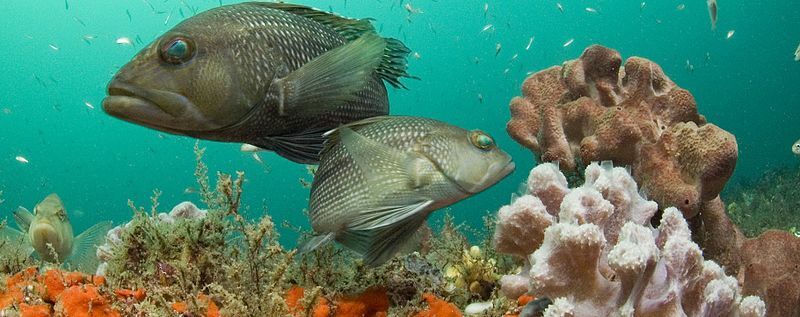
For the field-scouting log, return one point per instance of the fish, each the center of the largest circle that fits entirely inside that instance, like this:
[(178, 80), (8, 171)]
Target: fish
[(730, 34), (380, 178), (487, 27), (21, 159), (124, 41), (591, 10), (79, 21), (128, 13), (47, 233), (485, 9), (54, 47), (278, 89), (712, 12), (680, 7), (560, 7), (416, 55), (796, 147), (530, 42), (480, 98), (642, 5), (568, 42), (88, 38), (797, 54), (88, 104), (497, 48)]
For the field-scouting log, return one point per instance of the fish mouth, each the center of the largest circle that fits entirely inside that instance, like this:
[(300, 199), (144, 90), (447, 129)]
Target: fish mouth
[(42, 234), (157, 109), (495, 173)]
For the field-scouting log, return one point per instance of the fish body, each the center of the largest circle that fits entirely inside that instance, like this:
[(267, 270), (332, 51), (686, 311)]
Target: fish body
[(712, 12), (380, 178), (48, 232), (796, 148), (273, 75), (797, 54)]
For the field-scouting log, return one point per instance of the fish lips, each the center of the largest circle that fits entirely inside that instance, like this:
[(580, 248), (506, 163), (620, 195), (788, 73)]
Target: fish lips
[(157, 109), (496, 172)]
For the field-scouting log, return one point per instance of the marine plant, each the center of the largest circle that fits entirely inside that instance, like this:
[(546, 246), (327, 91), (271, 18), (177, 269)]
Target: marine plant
[(770, 202)]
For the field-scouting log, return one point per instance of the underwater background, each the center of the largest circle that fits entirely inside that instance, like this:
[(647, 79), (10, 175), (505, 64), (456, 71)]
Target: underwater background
[(57, 58)]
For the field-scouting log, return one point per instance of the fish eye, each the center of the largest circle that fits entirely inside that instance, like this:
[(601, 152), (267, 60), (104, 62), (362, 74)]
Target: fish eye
[(177, 50), (481, 140)]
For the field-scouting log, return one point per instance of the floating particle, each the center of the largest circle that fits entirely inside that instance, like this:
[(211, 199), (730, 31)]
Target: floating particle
[(21, 159), (530, 42), (124, 41), (730, 34), (569, 42), (416, 55)]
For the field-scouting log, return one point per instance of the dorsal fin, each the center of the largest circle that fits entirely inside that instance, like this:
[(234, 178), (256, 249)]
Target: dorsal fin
[(393, 64)]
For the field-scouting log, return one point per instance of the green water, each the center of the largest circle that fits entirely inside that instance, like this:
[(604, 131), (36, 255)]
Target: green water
[(748, 85)]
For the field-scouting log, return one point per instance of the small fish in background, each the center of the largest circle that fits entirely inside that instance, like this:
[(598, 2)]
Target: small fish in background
[(642, 5), (79, 21), (560, 7), (530, 42), (190, 191), (487, 28), (591, 10), (411, 9), (712, 12), (485, 9), (497, 48), (48, 232), (39, 80), (380, 178), (54, 47), (568, 42), (416, 55), (21, 159), (126, 41), (797, 54), (480, 98), (88, 104), (128, 13), (689, 66), (88, 38), (730, 34), (796, 147), (680, 7), (66, 5), (333, 73)]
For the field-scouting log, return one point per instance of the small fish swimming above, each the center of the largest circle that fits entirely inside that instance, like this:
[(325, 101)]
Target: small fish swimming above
[(712, 12), (48, 232), (380, 178), (273, 75)]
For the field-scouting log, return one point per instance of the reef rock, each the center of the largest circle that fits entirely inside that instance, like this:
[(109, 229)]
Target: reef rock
[(594, 252), (184, 210), (771, 270), (595, 109)]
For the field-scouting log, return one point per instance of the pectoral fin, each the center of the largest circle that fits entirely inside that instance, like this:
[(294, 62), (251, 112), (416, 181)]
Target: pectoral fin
[(380, 238), (23, 218), (331, 79), (84, 247)]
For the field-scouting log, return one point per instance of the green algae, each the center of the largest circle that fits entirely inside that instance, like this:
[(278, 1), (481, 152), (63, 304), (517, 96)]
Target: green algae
[(770, 202)]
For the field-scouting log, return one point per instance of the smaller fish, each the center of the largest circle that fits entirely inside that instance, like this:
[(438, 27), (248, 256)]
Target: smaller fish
[(190, 191), (730, 34), (66, 5), (591, 10), (28, 36), (689, 66), (39, 80), (560, 7), (680, 7), (480, 98), (497, 49), (79, 21), (54, 47), (88, 39), (124, 41), (88, 104), (487, 28), (257, 158), (506, 71), (796, 148), (642, 5), (304, 183), (485, 9), (411, 10), (250, 148), (569, 42), (530, 42), (128, 12), (416, 55), (169, 16), (514, 57), (797, 54), (149, 5), (7, 111), (21, 159), (712, 12)]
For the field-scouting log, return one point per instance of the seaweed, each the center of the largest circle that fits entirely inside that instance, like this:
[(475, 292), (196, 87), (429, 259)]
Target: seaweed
[(769, 202)]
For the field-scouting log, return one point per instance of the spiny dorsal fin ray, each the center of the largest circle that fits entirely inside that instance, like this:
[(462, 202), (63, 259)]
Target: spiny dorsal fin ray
[(393, 63)]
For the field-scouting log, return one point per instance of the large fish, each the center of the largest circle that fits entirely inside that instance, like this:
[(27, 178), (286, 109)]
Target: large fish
[(380, 178), (272, 75), (48, 232)]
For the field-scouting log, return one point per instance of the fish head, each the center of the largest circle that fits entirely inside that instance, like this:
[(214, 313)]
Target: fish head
[(470, 159), (796, 148), (50, 226), (189, 80)]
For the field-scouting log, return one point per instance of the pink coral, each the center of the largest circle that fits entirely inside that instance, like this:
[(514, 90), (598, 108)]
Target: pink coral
[(599, 255), (594, 109)]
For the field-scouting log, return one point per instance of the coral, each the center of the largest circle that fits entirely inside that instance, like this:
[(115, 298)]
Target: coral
[(600, 256), (771, 270), (595, 109), (438, 308)]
